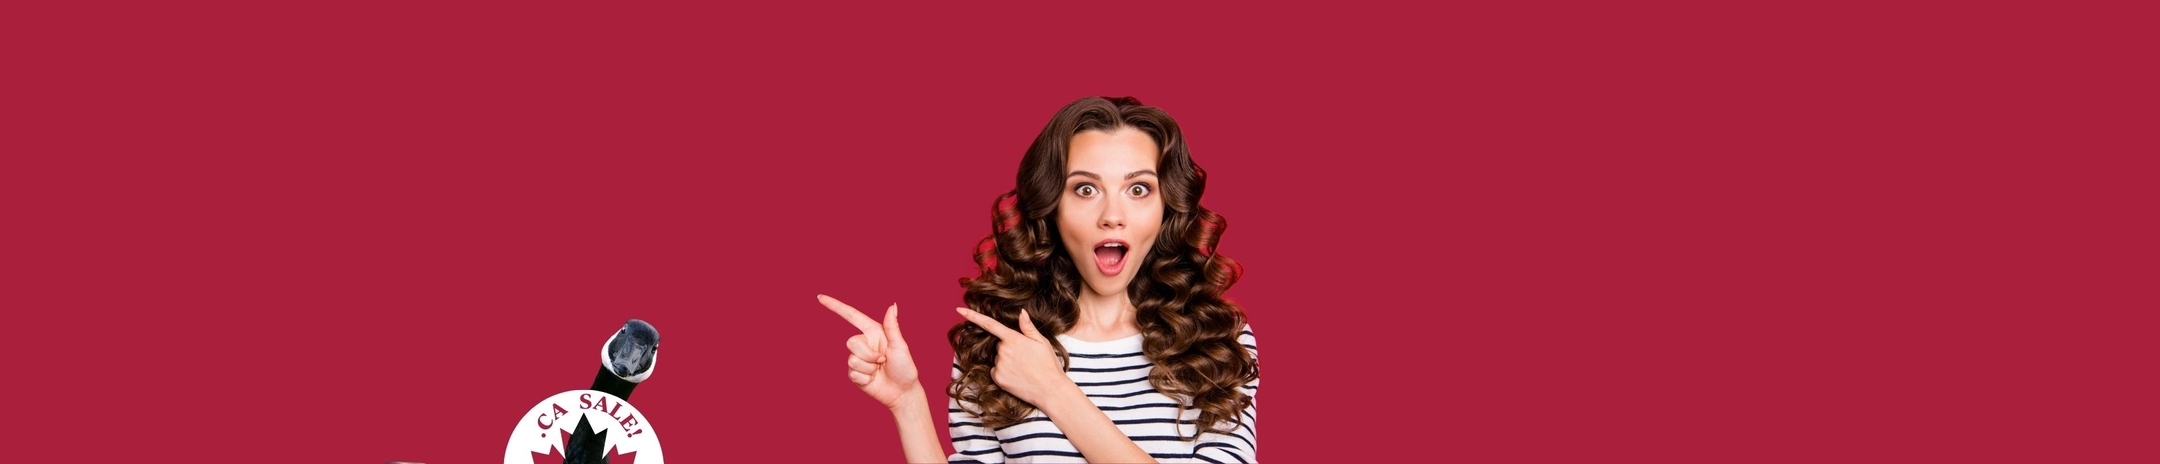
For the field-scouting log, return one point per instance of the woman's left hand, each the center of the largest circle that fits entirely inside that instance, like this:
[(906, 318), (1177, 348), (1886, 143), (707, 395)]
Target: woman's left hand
[(1026, 365)]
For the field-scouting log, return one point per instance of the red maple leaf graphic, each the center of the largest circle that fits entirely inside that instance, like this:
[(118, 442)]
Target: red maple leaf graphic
[(553, 456)]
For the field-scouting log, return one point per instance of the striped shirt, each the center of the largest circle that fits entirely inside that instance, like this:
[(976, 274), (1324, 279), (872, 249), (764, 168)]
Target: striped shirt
[(1113, 374)]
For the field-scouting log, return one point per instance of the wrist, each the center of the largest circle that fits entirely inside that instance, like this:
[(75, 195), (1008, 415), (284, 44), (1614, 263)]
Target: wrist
[(1064, 400), (912, 400)]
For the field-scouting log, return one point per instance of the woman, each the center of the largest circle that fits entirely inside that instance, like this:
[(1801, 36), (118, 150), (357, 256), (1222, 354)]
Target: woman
[(1125, 350)]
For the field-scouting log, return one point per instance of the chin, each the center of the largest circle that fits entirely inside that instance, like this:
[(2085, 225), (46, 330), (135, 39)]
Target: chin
[(1106, 285)]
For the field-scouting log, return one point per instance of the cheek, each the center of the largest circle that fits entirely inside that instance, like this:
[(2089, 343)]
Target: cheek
[(1070, 219), (1074, 227), (1147, 221)]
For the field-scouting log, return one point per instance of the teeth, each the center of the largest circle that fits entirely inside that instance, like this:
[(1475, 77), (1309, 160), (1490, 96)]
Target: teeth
[(1114, 245)]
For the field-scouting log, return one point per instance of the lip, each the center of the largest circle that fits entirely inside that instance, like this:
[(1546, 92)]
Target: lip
[(1111, 266)]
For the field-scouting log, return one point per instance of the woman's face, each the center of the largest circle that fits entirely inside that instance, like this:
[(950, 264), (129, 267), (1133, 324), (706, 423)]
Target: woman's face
[(1110, 210)]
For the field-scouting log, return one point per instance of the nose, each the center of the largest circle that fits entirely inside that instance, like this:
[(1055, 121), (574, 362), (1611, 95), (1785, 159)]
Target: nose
[(1113, 215)]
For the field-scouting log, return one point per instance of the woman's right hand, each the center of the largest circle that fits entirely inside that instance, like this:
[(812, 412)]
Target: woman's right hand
[(878, 359)]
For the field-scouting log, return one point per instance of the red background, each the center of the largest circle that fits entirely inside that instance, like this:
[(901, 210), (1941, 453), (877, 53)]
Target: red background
[(1672, 232)]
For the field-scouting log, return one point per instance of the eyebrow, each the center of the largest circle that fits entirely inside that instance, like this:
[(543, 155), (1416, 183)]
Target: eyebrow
[(1128, 176)]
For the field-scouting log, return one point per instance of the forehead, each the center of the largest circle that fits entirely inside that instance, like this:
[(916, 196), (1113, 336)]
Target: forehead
[(1112, 153)]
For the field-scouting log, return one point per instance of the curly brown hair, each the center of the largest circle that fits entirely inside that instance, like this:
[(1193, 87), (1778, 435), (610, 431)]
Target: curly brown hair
[(1189, 331)]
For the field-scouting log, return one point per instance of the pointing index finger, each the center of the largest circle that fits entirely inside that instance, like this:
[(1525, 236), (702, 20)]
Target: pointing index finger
[(991, 324), (868, 327)]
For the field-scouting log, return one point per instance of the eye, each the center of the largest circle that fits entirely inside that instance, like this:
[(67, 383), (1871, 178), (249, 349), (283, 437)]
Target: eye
[(1085, 190), (1139, 190)]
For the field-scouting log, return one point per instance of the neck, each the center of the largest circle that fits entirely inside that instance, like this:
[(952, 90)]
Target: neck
[(1103, 316)]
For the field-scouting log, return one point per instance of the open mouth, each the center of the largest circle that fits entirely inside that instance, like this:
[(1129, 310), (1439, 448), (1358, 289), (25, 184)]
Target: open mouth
[(1110, 256)]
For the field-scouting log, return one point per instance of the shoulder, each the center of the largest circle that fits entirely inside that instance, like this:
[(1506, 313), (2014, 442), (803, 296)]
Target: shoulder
[(1252, 343)]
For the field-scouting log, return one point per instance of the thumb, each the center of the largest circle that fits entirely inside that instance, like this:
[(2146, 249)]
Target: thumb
[(1027, 327), (892, 326)]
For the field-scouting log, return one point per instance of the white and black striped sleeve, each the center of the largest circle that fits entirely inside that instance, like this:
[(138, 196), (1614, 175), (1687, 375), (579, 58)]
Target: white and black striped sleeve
[(972, 442), (1240, 445)]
